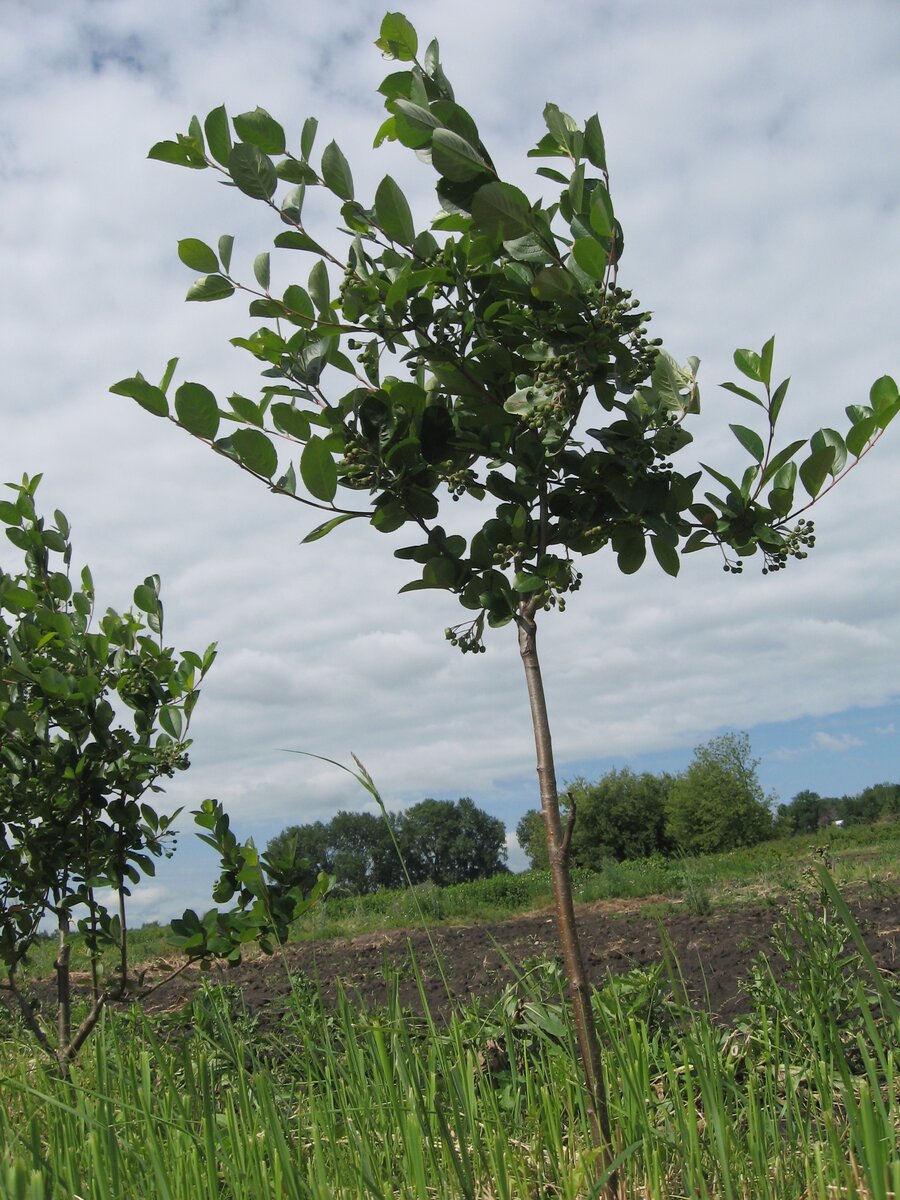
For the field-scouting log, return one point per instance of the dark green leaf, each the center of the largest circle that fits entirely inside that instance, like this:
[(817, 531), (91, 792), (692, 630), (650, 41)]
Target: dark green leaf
[(226, 245), (308, 136), (393, 213), (815, 470), (292, 170), (261, 270), (883, 393), (553, 284), (218, 135), (260, 129), (146, 598), (397, 39), (255, 451), (252, 171), (297, 300), (453, 157), (830, 437), (210, 287), (779, 460), (590, 256), (197, 255), (291, 421), (666, 555), (144, 393), (751, 441), (748, 364), (54, 682), (778, 399), (414, 125), (594, 145), (298, 241), (739, 391), (319, 288), (631, 550), (336, 172), (182, 153), (197, 411), (502, 212), (601, 214), (321, 530), (318, 470), (525, 583), (765, 361)]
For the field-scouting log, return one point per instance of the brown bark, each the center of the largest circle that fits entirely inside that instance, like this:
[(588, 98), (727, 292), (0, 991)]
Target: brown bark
[(559, 846)]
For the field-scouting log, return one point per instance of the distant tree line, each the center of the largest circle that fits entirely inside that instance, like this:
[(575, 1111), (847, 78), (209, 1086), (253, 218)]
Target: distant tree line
[(808, 811), (441, 841), (716, 804)]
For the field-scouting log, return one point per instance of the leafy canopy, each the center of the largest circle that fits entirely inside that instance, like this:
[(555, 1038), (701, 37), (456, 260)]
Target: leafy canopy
[(492, 355)]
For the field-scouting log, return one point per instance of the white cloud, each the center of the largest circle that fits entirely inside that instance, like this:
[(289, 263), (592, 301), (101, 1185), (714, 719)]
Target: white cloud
[(837, 743), (752, 153)]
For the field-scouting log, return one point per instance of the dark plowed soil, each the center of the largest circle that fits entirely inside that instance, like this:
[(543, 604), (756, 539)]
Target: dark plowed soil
[(714, 954)]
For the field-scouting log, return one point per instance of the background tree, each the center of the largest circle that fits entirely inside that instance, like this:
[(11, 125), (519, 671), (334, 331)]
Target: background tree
[(441, 841), (450, 842), (495, 356), (718, 803), (620, 816), (94, 715), (801, 815)]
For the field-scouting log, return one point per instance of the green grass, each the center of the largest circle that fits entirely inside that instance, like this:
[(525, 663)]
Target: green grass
[(796, 1103)]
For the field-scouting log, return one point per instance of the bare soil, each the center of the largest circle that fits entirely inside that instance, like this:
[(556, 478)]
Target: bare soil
[(714, 954)]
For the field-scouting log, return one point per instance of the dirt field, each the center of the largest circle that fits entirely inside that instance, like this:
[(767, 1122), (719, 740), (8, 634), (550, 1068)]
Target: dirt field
[(714, 954)]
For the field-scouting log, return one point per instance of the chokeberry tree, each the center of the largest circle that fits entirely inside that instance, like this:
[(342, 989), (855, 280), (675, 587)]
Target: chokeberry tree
[(94, 715), (491, 355)]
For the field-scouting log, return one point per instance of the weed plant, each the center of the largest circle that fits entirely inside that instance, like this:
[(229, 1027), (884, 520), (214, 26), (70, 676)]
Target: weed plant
[(798, 1102)]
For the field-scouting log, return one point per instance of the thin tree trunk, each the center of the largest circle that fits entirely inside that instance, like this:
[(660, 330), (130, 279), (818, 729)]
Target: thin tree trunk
[(558, 846), (63, 992)]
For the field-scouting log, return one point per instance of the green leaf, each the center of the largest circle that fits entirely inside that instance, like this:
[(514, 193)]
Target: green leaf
[(291, 421), (666, 555), (182, 153), (260, 129), (883, 393), (321, 530), (318, 470), (171, 721), (502, 212), (815, 470), (226, 245), (631, 550), (218, 135), (252, 171), (297, 300), (749, 364), (831, 438), (601, 216), (197, 411), (397, 39), (308, 136), (553, 284), (210, 287), (414, 125), (197, 255), (255, 451), (751, 441), (525, 583), (590, 256), (563, 129), (261, 269), (393, 213), (54, 682), (453, 157), (778, 399), (861, 435), (146, 598), (319, 287), (739, 391), (336, 172), (779, 460), (149, 397), (765, 361), (167, 375), (298, 241), (594, 145)]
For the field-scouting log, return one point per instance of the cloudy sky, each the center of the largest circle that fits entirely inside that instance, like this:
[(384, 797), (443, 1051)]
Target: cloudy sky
[(753, 152)]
